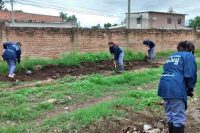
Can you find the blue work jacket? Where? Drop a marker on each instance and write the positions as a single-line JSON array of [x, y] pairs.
[[116, 51], [179, 76], [12, 51]]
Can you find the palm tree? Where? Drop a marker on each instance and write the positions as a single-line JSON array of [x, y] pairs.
[[66, 18], [63, 16]]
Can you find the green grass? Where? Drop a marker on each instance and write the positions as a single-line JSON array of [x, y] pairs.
[[20, 109], [26, 105], [5, 85], [70, 59], [3, 66], [164, 54], [197, 89], [15, 128], [129, 55], [135, 99], [17, 106], [197, 53]]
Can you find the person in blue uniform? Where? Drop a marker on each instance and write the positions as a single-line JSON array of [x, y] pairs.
[[11, 54], [176, 83], [118, 54], [151, 45]]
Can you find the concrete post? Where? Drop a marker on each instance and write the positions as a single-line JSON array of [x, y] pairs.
[[3, 35], [74, 40], [129, 10], [127, 38]]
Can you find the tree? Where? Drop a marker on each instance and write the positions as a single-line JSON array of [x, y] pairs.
[[2, 4], [72, 19], [98, 26], [66, 18], [195, 23], [107, 25], [114, 24], [63, 15], [19, 11]]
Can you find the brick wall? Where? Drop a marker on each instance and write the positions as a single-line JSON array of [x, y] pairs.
[[52, 42]]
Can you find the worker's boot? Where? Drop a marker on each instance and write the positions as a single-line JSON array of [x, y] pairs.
[[170, 127], [120, 68], [146, 58], [178, 129]]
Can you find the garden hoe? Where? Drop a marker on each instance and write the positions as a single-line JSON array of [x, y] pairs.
[[27, 71]]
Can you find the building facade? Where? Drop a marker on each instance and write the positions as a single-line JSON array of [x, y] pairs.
[[7, 16], [156, 20], [22, 19]]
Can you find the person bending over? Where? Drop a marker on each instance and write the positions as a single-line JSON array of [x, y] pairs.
[[151, 45], [118, 54], [11, 54]]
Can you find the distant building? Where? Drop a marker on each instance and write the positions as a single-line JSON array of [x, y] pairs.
[[22, 19], [121, 26], [156, 20], [6, 16]]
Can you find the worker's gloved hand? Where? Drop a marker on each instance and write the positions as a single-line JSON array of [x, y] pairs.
[[190, 94], [115, 63], [18, 60], [2, 57], [193, 52]]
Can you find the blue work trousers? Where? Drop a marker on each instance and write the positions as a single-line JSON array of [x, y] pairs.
[[120, 60], [120, 63], [151, 53], [11, 66], [175, 111]]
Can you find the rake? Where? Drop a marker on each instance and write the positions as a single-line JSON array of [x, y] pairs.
[[27, 71]]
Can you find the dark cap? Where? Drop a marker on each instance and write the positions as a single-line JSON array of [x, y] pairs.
[[110, 42], [19, 43]]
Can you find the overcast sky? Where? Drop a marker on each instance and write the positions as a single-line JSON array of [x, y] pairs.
[[93, 12]]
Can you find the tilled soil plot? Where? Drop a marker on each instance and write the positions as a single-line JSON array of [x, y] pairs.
[[54, 72]]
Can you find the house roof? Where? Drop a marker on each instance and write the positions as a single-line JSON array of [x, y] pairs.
[[160, 12], [27, 17]]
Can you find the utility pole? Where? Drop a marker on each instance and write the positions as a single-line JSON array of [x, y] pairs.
[[12, 11], [129, 9]]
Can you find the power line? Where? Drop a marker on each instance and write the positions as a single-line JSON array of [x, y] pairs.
[[92, 9], [44, 5]]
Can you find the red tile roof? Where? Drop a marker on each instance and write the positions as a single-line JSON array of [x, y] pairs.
[[28, 17]]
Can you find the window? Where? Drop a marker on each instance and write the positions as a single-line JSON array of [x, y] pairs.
[[179, 21], [154, 18], [169, 20], [139, 21]]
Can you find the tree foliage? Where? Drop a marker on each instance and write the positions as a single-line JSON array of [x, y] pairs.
[[195, 23], [98, 26], [66, 18], [2, 4], [107, 25]]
